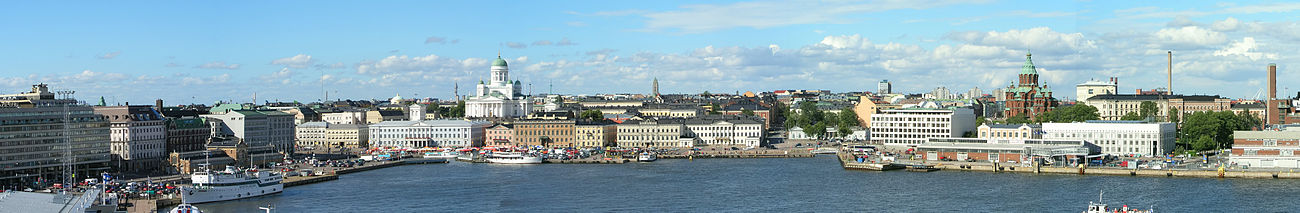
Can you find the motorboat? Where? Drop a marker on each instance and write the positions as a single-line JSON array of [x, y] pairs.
[[512, 158], [185, 208], [647, 157], [1101, 207]]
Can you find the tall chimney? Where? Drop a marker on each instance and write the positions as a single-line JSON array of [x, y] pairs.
[[1171, 73], [1272, 81], [157, 105], [1270, 106]]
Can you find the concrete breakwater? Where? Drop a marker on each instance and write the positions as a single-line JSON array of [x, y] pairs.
[[745, 154], [847, 162]]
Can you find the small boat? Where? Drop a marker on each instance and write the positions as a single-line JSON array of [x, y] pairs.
[[443, 155], [647, 157], [922, 168], [185, 208], [512, 158], [1100, 207]]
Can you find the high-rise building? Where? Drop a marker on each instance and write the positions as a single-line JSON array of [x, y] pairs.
[[884, 87], [498, 98], [139, 139], [1028, 98], [256, 127], [41, 131], [913, 126]]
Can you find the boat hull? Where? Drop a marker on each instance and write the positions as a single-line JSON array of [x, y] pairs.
[[194, 195], [527, 160]]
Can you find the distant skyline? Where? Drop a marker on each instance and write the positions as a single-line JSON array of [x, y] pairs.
[[202, 52]]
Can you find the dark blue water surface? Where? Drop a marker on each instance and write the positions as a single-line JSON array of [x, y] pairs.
[[755, 185]]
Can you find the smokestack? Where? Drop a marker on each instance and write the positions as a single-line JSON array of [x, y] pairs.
[[1272, 81], [157, 105], [1171, 73]]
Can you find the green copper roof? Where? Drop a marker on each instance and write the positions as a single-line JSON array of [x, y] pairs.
[[499, 62], [1028, 68]]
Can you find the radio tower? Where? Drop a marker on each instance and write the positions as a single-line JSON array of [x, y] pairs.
[[67, 139]]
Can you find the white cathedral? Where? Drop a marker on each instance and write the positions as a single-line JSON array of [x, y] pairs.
[[499, 98]]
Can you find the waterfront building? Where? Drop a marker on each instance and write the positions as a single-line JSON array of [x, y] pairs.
[[595, 134], [657, 133], [884, 87], [1115, 106], [1028, 98], [498, 98], [1277, 147], [139, 139], [912, 126], [186, 134], [1118, 137], [859, 134], [864, 109], [544, 132], [1010, 133], [1093, 88], [988, 150], [428, 133], [345, 117], [257, 128], [32, 123], [726, 131], [500, 135], [323, 135]]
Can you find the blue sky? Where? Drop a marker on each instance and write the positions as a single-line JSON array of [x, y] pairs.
[[293, 50]]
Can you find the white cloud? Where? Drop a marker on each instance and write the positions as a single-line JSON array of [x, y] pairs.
[[541, 43], [565, 42], [1041, 38], [516, 45], [1229, 24], [1189, 37], [1243, 48], [218, 65], [110, 55], [297, 61]]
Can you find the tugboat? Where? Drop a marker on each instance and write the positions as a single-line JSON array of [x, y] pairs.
[[1100, 207], [647, 157]]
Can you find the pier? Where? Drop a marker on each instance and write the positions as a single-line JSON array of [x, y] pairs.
[[848, 162], [743, 154]]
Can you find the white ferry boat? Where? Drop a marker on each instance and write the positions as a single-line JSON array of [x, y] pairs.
[[430, 157], [443, 155], [647, 157], [230, 184], [512, 158]]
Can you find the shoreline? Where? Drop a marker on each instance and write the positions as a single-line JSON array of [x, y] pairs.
[[997, 168]]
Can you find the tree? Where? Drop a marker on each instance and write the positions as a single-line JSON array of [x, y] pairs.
[[981, 120], [1147, 109], [1210, 130], [830, 119], [1070, 114], [849, 118], [559, 100], [792, 121], [1132, 116], [811, 130], [706, 94], [714, 109], [1204, 142], [747, 112], [1018, 119], [591, 114], [1173, 115], [819, 130], [459, 110], [809, 111]]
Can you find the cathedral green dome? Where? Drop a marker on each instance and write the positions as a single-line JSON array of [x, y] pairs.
[[499, 62], [1028, 68]]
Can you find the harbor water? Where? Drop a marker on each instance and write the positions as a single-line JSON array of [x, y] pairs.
[[754, 185]]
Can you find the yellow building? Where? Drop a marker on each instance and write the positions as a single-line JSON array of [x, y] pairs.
[[596, 134]]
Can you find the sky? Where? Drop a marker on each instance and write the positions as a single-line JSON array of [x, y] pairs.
[[201, 52]]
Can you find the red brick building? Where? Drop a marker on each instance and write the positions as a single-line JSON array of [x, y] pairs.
[[1027, 98]]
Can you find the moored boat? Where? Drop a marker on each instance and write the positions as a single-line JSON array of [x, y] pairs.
[[1100, 207], [230, 184], [647, 157], [185, 208], [512, 158]]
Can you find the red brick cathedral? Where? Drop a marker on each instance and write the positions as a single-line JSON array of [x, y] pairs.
[[1027, 98]]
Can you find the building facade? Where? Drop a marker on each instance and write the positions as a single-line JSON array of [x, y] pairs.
[[350, 117], [500, 135], [1093, 88], [257, 128], [603, 134], [657, 133], [139, 139], [544, 132], [322, 135], [1010, 133], [498, 98], [884, 87], [1123, 138], [31, 122], [185, 134], [726, 131], [913, 126], [1273, 148], [1028, 98], [428, 133]]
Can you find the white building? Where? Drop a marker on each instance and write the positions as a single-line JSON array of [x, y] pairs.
[[1093, 87], [1117, 137], [726, 132], [1272, 148], [139, 136], [498, 98], [257, 127], [351, 117], [416, 111], [913, 126], [322, 134], [659, 133], [430, 133]]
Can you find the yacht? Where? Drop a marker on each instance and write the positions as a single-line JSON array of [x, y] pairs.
[[185, 208], [512, 158], [230, 184], [647, 157]]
